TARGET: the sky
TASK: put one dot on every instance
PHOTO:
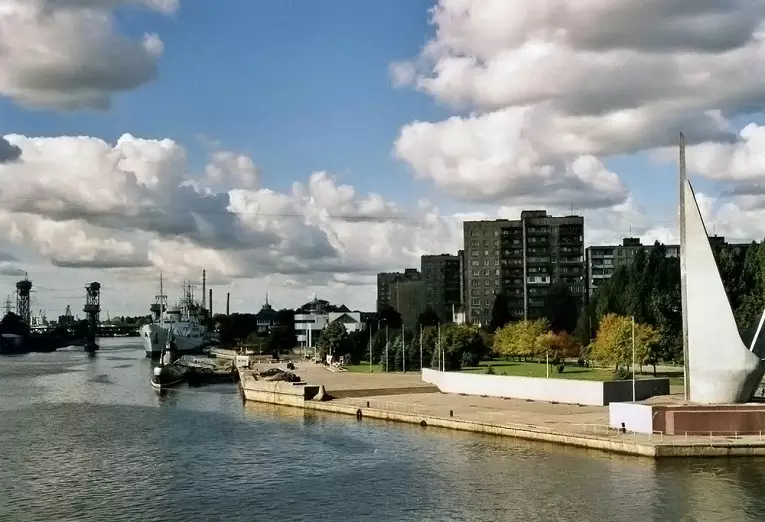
(298, 147)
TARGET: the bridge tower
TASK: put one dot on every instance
(92, 309)
(23, 308)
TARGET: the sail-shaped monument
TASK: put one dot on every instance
(722, 372)
(719, 367)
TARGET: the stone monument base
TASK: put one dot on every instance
(670, 416)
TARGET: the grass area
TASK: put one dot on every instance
(362, 368)
(530, 369)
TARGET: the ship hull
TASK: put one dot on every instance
(168, 376)
(154, 339)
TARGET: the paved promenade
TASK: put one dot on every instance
(405, 398)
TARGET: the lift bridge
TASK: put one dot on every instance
(92, 310)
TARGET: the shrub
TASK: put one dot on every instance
(469, 359)
(621, 374)
(490, 370)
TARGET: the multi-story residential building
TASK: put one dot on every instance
(441, 275)
(408, 299)
(521, 258)
(385, 279)
(603, 260)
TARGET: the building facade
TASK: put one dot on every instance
(521, 258)
(408, 299)
(385, 279)
(441, 276)
(314, 316)
(603, 260)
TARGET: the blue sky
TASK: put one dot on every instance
(300, 85)
(303, 86)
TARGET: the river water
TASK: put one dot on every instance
(88, 439)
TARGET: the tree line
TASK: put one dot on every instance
(646, 290)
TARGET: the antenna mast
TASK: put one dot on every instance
(683, 285)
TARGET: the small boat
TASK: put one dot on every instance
(167, 373)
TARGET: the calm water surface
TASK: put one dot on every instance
(88, 439)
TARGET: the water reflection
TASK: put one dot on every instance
(89, 439)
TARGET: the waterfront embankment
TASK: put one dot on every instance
(405, 398)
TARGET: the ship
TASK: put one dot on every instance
(190, 335)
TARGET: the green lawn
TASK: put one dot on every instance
(362, 368)
(530, 369)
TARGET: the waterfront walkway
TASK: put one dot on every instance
(405, 398)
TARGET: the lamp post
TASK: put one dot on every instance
(633, 358)
(441, 361)
(420, 348)
(387, 342)
(370, 347)
(403, 348)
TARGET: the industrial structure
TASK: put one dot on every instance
(92, 310)
(23, 303)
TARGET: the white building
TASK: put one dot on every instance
(308, 325)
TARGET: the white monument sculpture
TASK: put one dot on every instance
(719, 367)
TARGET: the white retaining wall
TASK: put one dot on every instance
(635, 417)
(567, 391)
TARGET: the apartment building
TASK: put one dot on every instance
(385, 279)
(441, 275)
(408, 299)
(521, 258)
(603, 260)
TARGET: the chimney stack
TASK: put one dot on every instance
(211, 310)
(204, 287)
(228, 301)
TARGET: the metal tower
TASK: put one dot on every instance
(92, 308)
(23, 309)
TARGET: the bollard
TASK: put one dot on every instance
(367, 404)
(624, 428)
(451, 413)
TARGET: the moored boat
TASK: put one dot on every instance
(167, 373)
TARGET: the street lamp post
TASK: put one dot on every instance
(633, 358)
(370, 347)
(387, 342)
(420, 348)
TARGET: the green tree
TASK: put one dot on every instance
(500, 313)
(333, 340)
(613, 343)
(388, 316)
(457, 340)
(427, 318)
(561, 308)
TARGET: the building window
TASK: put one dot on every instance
(475, 262)
(476, 272)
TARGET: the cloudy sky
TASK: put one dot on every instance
(297, 147)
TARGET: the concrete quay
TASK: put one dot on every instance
(405, 398)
